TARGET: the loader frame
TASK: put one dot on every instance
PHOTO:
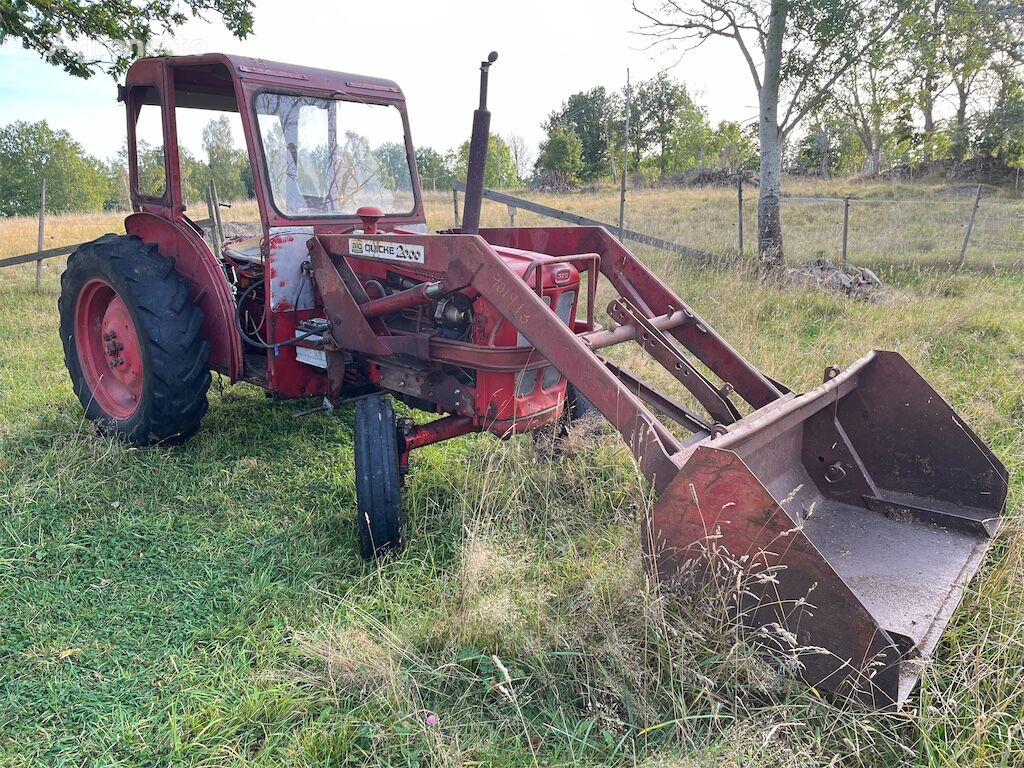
(712, 504)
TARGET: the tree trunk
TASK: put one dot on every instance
(769, 222)
(824, 161)
(662, 158)
(875, 150)
(960, 139)
(928, 112)
(930, 77)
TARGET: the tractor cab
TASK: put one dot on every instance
(320, 147)
(321, 144)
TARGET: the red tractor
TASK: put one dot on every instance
(866, 504)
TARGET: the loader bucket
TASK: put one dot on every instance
(859, 511)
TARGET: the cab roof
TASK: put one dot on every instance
(210, 72)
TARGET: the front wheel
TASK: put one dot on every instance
(133, 341)
(378, 478)
(577, 408)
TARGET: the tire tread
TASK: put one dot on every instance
(169, 325)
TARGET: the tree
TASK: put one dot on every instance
(195, 179)
(1001, 130)
(666, 116)
(925, 59)
(124, 29)
(734, 148)
(691, 140)
(521, 154)
(819, 152)
(394, 165)
(639, 139)
(955, 45)
(225, 161)
(435, 172)
(1007, 19)
(871, 93)
(798, 51)
(904, 136)
(30, 152)
(561, 157)
(501, 167)
(119, 196)
(587, 114)
(152, 170)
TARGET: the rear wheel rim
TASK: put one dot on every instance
(109, 350)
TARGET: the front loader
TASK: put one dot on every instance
(860, 509)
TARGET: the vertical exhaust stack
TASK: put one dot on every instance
(478, 155)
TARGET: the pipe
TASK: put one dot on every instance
(395, 302)
(478, 155)
(437, 431)
(609, 337)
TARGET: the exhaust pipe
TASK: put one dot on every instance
(478, 155)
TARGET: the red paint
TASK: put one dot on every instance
(437, 431)
(370, 215)
(109, 350)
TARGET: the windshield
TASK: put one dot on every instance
(329, 157)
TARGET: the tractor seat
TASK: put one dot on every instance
(244, 250)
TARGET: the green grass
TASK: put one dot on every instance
(205, 605)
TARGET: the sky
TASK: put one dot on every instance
(548, 49)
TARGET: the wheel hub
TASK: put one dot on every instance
(109, 349)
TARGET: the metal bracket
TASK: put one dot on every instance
(655, 343)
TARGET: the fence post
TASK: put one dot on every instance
(846, 231)
(216, 211)
(511, 215)
(970, 226)
(455, 206)
(739, 205)
(42, 232)
(211, 206)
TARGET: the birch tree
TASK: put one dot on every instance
(869, 96)
(796, 52)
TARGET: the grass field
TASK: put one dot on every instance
(205, 605)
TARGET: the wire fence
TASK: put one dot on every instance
(957, 229)
(964, 229)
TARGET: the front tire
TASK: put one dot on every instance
(378, 479)
(133, 341)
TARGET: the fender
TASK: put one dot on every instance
(209, 287)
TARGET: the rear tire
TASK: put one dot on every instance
(378, 479)
(553, 436)
(133, 341)
(576, 404)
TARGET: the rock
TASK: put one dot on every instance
(870, 277)
(825, 275)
